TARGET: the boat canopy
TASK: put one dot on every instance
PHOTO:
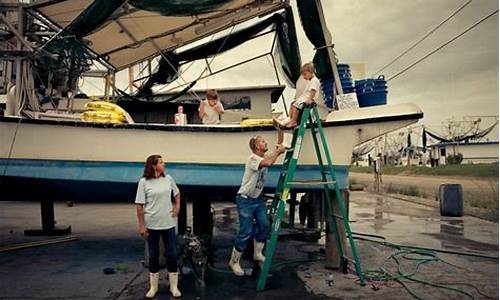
(127, 32)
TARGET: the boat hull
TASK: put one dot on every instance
(198, 157)
(117, 181)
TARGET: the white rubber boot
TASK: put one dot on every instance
(257, 251)
(173, 278)
(234, 263)
(153, 285)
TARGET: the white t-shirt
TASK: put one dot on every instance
(252, 183)
(312, 85)
(211, 115)
(180, 119)
(155, 194)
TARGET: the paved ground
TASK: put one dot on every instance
(108, 238)
(478, 192)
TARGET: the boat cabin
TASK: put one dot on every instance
(241, 102)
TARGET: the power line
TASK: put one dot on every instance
(423, 38)
(444, 45)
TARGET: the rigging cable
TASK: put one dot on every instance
(443, 45)
(422, 39)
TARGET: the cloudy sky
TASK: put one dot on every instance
(459, 80)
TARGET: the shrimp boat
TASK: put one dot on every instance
(56, 153)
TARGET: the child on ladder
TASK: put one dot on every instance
(308, 96)
(250, 203)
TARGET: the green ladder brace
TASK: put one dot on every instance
(283, 188)
(338, 194)
(281, 195)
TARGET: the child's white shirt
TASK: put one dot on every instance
(312, 85)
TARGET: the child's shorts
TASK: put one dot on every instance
(299, 103)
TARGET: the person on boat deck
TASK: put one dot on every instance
(211, 109)
(157, 217)
(180, 116)
(308, 96)
(250, 203)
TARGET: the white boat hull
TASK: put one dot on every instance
(192, 144)
(72, 155)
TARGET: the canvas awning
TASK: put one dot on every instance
(127, 32)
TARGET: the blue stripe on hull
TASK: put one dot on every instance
(120, 178)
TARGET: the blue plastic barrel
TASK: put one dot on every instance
(327, 88)
(371, 92)
(372, 99)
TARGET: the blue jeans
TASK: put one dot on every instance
(170, 242)
(248, 210)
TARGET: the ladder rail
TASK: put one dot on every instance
(281, 181)
(333, 228)
(340, 201)
(291, 166)
(285, 184)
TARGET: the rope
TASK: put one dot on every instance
(419, 256)
(444, 45)
(327, 46)
(423, 38)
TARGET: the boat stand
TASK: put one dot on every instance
(48, 222)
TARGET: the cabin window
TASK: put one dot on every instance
(236, 102)
(443, 151)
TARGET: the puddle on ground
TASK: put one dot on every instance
(406, 223)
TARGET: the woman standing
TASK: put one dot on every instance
(156, 217)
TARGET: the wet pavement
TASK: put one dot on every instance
(108, 238)
(411, 224)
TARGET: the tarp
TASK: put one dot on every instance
(138, 30)
(309, 18)
(288, 48)
(475, 136)
(93, 17)
(168, 66)
(179, 7)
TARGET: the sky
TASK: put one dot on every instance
(459, 80)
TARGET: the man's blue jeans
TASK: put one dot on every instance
(248, 210)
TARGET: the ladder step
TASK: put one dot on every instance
(310, 182)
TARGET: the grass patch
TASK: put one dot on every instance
(465, 170)
(404, 190)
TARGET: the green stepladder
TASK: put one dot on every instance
(285, 183)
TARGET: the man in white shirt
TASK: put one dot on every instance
(211, 109)
(250, 203)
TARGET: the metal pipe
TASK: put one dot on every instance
(19, 85)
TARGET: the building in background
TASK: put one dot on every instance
(472, 152)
